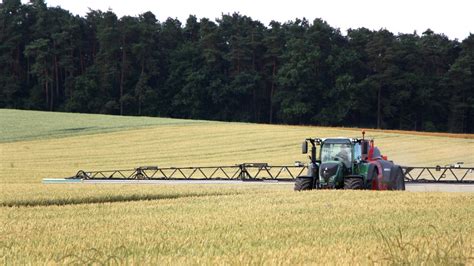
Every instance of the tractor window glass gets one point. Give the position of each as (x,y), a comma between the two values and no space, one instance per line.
(336,152)
(357,151)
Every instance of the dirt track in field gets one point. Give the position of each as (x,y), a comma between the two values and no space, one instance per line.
(412,187)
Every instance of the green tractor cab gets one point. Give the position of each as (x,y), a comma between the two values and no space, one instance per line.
(348,163)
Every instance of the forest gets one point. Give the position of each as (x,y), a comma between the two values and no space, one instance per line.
(233,68)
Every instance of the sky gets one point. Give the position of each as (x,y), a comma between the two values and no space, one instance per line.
(454,18)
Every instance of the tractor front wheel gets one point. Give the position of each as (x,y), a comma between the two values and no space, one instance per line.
(353,183)
(303,183)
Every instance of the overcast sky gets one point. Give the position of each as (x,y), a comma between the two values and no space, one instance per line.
(454,18)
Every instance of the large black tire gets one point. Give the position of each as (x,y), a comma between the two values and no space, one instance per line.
(353,183)
(303,183)
(399,182)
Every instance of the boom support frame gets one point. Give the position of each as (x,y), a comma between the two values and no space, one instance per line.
(264,171)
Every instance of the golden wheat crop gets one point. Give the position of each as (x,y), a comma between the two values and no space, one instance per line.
(242,225)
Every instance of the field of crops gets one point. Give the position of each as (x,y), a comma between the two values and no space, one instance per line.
(203,224)
(184,143)
(25,125)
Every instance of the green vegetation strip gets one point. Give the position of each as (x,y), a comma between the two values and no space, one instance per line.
(103,199)
(20,125)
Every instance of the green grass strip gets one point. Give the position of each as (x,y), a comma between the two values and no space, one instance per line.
(106,199)
(18,125)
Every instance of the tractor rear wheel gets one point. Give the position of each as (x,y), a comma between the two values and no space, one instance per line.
(353,183)
(303,183)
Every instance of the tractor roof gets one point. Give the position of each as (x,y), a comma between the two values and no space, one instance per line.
(339,140)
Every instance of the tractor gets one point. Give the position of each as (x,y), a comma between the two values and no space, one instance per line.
(348,163)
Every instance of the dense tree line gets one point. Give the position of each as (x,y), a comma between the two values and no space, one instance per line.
(233,69)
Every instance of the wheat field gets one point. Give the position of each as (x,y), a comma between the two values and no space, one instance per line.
(245,225)
(214,224)
(188,143)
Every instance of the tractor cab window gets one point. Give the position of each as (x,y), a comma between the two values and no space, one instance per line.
(357,151)
(336,152)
